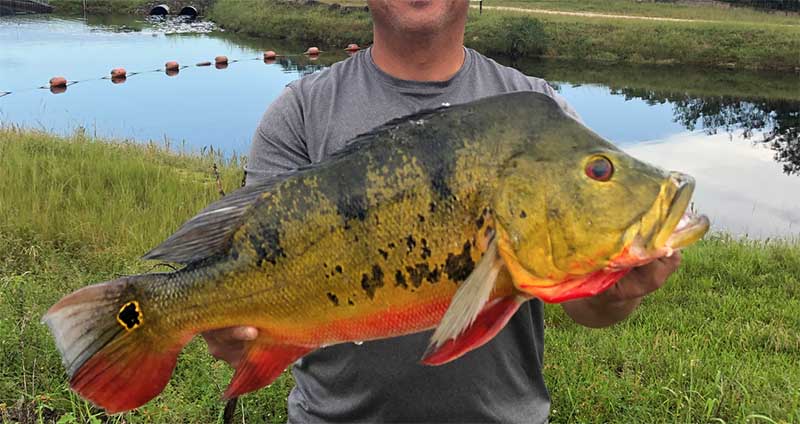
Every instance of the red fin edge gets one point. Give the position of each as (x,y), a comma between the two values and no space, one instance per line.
(490,321)
(264,362)
(123,376)
(594,284)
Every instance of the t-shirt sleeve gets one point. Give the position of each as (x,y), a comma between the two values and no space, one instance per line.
(543,86)
(279,144)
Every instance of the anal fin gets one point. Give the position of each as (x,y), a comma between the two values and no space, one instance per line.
(264,362)
(494,316)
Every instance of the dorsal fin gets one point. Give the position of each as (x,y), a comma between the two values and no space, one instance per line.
(209,232)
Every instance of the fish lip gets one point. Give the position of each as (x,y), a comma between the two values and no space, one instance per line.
(680,228)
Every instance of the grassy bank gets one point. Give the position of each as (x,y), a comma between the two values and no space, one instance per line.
(720,342)
(101,7)
(727,43)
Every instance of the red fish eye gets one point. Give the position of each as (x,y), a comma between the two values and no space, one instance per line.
(600,169)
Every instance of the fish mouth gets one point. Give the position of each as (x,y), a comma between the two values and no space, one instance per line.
(680,228)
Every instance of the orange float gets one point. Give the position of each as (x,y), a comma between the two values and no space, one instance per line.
(221,60)
(270,55)
(119,73)
(172,66)
(352,48)
(58,82)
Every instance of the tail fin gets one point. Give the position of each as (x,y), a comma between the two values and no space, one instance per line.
(113,359)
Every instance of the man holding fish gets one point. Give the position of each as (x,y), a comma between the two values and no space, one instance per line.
(417,62)
(463,219)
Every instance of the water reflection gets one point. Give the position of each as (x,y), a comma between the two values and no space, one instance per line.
(737,132)
(773,122)
(749,106)
(740,187)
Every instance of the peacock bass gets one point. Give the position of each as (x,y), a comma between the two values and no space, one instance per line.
(447,219)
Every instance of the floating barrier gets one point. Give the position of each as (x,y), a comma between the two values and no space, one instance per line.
(352,48)
(159,10)
(56,82)
(59,84)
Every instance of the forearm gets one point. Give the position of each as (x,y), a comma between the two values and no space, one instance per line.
(600,311)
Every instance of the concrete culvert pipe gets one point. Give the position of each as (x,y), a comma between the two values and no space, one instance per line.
(189,11)
(160,10)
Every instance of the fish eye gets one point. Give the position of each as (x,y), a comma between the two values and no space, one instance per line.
(599,168)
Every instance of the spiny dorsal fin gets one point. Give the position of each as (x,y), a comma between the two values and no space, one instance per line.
(209,232)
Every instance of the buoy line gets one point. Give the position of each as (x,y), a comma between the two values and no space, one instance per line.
(59,84)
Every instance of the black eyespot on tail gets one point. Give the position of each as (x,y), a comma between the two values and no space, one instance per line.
(130,316)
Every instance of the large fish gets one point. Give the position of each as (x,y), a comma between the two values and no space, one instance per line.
(449,219)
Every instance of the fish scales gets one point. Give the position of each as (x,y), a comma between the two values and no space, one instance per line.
(449,219)
(382,227)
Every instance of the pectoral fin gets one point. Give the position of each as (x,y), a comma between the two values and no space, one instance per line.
(489,322)
(469,321)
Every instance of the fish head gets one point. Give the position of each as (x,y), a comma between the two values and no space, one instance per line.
(574,213)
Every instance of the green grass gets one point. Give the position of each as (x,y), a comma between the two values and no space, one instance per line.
(720,343)
(102,7)
(731,43)
(676,10)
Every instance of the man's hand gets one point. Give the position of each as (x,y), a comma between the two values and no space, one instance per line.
(621,299)
(228,344)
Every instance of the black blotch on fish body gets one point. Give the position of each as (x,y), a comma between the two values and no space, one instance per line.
(371,283)
(269,249)
(410,243)
(129,316)
(338,269)
(418,273)
(434,275)
(333,298)
(350,302)
(523,215)
(421,218)
(479,222)
(384,253)
(459,267)
(400,279)
(346,187)
(426,251)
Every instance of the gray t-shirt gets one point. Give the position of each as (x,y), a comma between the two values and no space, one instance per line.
(383,380)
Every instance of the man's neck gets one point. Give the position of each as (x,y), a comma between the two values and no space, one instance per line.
(419,58)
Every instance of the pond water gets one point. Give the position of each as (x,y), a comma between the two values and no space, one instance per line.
(736,132)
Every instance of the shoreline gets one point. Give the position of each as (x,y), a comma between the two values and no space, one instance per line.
(601,38)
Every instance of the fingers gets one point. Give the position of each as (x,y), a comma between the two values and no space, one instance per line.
(228,344)
(648,278)
(244,333)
